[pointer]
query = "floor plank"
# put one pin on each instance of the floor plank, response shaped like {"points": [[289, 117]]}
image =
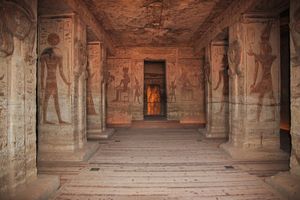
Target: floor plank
{"points": [[163, 164]]}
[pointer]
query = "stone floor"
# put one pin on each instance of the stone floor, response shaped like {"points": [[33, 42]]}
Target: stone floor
{"points": [[163, 164]]}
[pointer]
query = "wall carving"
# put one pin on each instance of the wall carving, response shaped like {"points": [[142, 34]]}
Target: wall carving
{"points": [[263, 59], [54, 70], [234, 58], [21, 26], [184, 84]]}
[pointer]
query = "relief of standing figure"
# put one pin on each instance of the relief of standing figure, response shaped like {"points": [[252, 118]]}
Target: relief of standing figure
{"points": [[173, 91], [123, 86], [265, 60], [137, 91], [223, 77], [51, 59]]}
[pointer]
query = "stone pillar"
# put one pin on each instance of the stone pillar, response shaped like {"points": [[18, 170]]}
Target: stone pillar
{"points": [[96, 106], [17, 94], [217, 90], [254, 69], [94, 88], [288, 183], [18, 28], [295, 86], [62, 89]]}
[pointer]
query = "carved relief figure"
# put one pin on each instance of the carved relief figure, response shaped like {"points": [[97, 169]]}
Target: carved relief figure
{"points": [[172, 89], [223, 77], [187, 87], [1, 92], [264, 59], [123, 86], [207, 72], [51, 59], [295, 31], [109, 78], [137, 91], [89, 98], [234, 58], [83, 59], [16, 21]]}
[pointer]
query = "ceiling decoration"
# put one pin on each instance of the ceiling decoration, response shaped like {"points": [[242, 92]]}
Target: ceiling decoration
{"points": [[154, 22]]}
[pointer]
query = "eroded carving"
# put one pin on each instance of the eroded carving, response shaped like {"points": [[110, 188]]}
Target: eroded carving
{"points": [[137, 91], [264, 59], [172, 93], [234, 58], [295, 32], [16, 21], [123, 89], [89, 98], [223, 79]]}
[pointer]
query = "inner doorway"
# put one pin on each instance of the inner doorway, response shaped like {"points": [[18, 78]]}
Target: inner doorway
{"points": [[155, 90]]}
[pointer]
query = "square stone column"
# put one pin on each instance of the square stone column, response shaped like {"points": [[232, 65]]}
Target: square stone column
{"points": [[95, 91], [17, 94], [288, 183], [217, 90], [62, 89], [295, 85], [254, 102]]}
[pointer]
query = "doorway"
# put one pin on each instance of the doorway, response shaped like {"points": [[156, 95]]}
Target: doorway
{"points": [[155, 90], [285, 106]]}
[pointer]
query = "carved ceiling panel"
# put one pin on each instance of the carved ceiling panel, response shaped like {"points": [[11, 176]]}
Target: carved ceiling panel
{"points": [[155, 22]]}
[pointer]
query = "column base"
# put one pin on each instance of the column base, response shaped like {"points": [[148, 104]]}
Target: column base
{"points": [[97, 134], [39, 189], [247, 154], [82, 154], [287, 184], [216, 135]]}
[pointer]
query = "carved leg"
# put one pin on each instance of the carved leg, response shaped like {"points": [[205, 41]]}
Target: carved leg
{"points": [[45, 107], [259, 108], [57, 108]]}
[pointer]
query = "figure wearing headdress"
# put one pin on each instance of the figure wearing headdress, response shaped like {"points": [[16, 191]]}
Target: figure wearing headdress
{"points": [[264, 59]]}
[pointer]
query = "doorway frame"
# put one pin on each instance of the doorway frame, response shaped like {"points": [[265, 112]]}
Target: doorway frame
{"points": [[165, 97]]}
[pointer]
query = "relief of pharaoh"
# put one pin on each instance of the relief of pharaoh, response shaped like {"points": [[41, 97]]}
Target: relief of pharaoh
{"points": [[51, 59], [123, 86], [264, 59]]}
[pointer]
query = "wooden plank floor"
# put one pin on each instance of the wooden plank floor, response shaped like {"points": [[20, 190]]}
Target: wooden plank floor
{"points": [[163, 164]]}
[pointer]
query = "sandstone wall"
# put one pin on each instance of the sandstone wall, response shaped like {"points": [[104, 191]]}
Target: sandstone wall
{"points": [[182, 66], [17, 93]]}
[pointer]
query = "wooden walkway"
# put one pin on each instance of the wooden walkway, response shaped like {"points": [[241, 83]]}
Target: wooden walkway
{"points": [[163, 164]]}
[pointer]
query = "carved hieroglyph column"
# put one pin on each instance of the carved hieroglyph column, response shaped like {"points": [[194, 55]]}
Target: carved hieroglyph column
{"points": [[254, 69], [62, 88], [295, 86], [94, 88], [217, 90], [17, 94]]}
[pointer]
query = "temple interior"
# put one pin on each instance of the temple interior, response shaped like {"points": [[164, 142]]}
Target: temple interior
{"points": [[149, 99]]}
